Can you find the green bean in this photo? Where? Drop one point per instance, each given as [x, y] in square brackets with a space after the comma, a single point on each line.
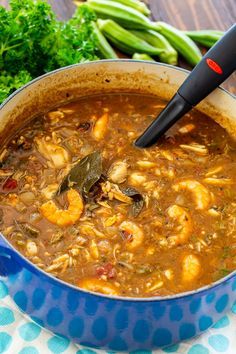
[181, 42]
[125, 40]
[104, 47]
[157, 40]
[143, 56]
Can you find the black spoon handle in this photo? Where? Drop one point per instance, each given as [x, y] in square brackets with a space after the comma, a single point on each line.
[214, 68]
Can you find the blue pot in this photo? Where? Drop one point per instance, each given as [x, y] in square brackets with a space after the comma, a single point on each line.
[112, 323]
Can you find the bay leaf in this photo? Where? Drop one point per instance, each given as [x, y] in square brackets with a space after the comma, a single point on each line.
[84, 174]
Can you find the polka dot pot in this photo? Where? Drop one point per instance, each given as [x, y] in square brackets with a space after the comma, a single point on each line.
[93, 320]
[109, 323]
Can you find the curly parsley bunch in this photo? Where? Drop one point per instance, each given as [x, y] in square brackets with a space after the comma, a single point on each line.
[33, 41]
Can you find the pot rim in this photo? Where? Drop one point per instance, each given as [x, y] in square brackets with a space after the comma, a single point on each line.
[62, 283]
[177, 68]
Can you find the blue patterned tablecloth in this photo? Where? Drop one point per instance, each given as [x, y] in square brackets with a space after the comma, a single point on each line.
[19, 335]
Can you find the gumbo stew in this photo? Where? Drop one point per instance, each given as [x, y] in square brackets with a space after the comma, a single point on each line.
[82, 203]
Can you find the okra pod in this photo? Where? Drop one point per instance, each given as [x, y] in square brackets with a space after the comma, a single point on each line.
[157, 40]
[138, 56]
[206, 38]
[206, 43]
[181, 42]
[136, 4]
[125, 40]
[103, 46]
[123, 15]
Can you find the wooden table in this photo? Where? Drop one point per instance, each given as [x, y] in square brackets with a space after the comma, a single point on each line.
[184, 14]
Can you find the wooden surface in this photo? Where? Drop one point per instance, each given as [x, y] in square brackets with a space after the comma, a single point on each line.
[184, 14]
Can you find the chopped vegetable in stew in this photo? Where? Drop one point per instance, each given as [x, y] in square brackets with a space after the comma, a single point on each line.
[82, 203]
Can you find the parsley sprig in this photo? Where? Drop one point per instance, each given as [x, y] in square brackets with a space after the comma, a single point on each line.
[33, 41]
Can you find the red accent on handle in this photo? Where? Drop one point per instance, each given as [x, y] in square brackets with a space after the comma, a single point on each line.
[214, 66]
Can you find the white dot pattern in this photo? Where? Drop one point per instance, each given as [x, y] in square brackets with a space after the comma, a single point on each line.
[19, 335]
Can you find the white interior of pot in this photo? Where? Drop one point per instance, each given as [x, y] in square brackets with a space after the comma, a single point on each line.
[106, 77]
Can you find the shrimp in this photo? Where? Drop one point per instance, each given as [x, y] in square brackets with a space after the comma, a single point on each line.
[62, 217]
[98, 285]
[191, 268]
[201, 194]
[100, 127]
[185, 227]
[134, 234]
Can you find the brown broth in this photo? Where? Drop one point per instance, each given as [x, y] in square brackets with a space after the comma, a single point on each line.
[184, 236]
